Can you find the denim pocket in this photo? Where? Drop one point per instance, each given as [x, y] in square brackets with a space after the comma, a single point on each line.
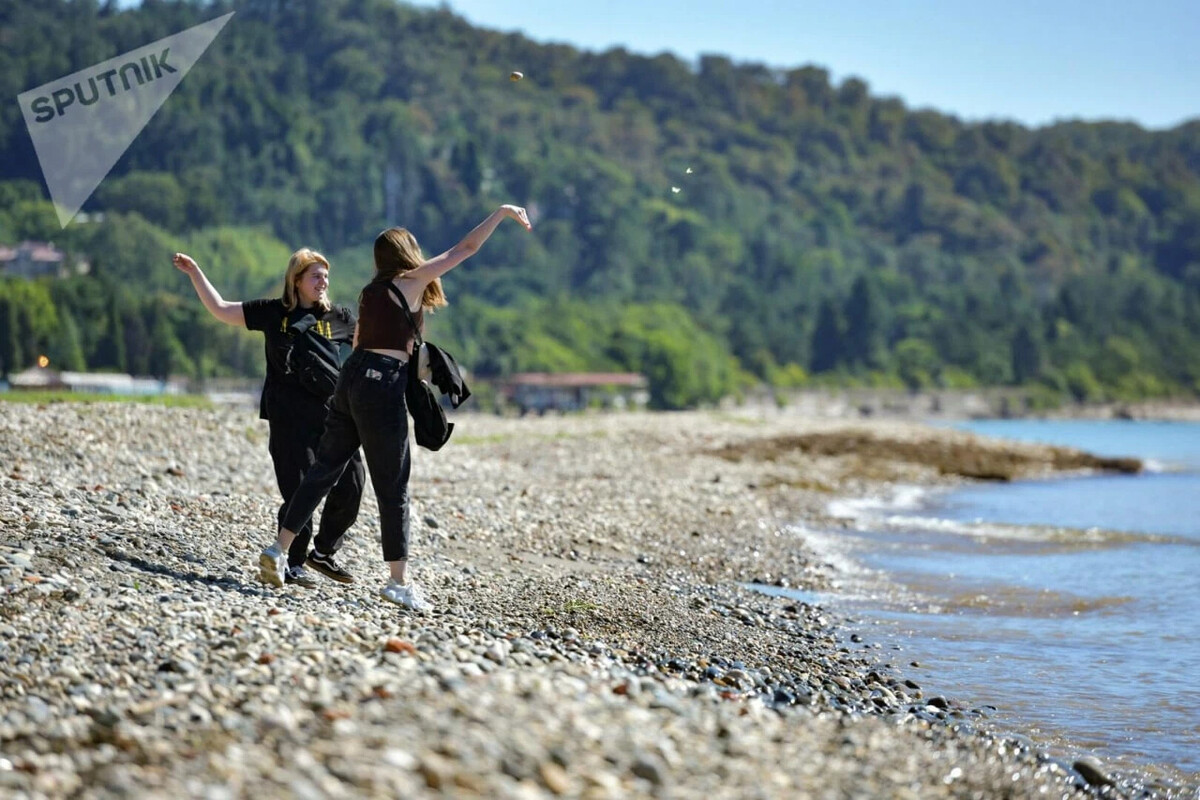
[380, 385]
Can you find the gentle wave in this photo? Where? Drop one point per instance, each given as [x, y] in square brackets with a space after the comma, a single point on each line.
[1084, 537]
[1019, 601]
[1156, 466]
[851, 580]
[901, 498]
[877, 513]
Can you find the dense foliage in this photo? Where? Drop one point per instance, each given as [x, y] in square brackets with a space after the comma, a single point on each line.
[706, 224]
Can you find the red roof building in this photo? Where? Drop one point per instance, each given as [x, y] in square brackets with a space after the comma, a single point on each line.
[31, 260]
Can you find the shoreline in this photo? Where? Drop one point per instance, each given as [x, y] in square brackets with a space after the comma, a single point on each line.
[952, 405]
[591, 633]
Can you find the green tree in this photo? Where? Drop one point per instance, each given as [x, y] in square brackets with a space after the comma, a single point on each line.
[864, 324]
[1027, 355]
[827, 346]
[64, 349]
[684, 365]
[12, 351]
[156, 196]
[917, 362]
[166, 356]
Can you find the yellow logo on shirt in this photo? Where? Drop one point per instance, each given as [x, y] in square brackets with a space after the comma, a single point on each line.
[322, 327]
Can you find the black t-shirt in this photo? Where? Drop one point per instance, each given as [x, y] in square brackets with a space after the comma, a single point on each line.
[282, 393]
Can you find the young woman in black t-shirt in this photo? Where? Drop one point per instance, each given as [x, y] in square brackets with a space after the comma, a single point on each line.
[293, 407]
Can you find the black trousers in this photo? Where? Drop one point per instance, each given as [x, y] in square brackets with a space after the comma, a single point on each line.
[369, 411]
[295, 434]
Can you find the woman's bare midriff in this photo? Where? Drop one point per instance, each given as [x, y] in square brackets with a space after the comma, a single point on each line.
[399, 355]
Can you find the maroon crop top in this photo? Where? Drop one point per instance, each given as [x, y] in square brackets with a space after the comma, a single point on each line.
[382, 324]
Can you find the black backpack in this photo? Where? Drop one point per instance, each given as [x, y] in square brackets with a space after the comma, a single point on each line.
[312, 359]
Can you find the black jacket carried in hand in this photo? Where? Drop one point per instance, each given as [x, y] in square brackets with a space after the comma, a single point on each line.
[431, 429]
[446, 375]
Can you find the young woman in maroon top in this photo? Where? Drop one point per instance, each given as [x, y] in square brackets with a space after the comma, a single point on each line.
[368, 406]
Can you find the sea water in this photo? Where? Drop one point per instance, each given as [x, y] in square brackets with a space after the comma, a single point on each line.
[1070, 605]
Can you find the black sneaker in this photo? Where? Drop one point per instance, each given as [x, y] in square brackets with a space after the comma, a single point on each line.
[328, 567]
[296, 576]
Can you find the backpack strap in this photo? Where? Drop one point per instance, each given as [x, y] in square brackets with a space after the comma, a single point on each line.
[412, 323]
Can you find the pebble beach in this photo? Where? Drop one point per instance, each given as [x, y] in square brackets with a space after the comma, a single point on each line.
[595, 629]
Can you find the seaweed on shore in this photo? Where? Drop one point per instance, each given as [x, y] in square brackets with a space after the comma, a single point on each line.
[963, 455]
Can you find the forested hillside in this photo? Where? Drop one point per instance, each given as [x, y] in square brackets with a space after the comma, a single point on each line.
[710, 224]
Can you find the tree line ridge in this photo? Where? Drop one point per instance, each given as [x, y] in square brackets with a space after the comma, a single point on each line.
[710, 224]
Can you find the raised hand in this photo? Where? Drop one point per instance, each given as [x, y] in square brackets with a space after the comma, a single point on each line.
[226, 311]
[185, 264]
[517, 213]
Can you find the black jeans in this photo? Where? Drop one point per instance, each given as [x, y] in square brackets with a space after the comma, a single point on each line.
[368, 410]
[295, 434]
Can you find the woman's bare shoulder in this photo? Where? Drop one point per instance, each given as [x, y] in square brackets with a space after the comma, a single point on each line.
[412, 290]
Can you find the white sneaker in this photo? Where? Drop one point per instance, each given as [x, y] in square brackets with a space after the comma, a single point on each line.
[408, 595]
[272, 566]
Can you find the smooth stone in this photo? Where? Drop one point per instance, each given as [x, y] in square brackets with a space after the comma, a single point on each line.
[646, 769]
[1092, 771]
[37, 710]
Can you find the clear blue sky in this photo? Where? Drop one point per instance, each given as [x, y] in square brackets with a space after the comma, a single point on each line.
[1033, 61]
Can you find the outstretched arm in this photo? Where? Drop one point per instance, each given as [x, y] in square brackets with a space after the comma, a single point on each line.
[441, 264]
[228, 312]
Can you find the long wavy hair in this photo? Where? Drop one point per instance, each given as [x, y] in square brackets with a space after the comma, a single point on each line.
[397, 252]
[298, 264]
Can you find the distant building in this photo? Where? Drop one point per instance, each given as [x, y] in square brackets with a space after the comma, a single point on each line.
[44, 379]
[31, 260]
[574, 391]
[38, 260]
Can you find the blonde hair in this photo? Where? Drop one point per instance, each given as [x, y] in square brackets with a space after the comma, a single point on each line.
[298, 264]
[397, 252]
